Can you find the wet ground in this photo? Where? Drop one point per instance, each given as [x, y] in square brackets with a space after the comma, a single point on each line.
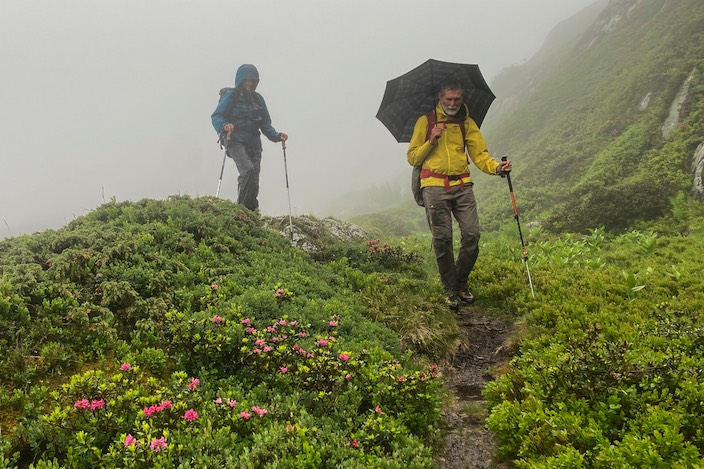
[468, 442]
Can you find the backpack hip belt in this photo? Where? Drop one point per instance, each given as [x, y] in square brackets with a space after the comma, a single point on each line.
[426, 173]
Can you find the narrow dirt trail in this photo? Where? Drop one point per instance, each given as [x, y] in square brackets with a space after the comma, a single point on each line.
[468, 442]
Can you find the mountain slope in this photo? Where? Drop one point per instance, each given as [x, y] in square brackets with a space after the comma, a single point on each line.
[610, 136]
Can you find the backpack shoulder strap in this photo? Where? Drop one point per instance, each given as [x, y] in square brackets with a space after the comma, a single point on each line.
[432, 120]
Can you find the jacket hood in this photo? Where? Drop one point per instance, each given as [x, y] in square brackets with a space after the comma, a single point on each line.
[246, 72]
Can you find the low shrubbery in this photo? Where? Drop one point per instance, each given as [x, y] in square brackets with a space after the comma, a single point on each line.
[186, 333]
[610, 370]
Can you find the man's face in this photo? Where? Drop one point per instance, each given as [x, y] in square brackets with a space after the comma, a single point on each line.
[249, 85]
[451, 100]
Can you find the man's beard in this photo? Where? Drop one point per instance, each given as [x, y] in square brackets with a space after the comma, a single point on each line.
[451, 111]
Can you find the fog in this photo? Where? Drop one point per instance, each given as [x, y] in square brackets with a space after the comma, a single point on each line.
[112, 99]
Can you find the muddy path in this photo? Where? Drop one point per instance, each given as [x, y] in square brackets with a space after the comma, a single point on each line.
[468, 442]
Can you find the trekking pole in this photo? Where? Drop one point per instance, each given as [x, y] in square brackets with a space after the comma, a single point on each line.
[290, 219]
[507, 175]
[224, 158]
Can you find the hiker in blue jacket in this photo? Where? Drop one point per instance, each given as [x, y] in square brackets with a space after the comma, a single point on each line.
[240, 116]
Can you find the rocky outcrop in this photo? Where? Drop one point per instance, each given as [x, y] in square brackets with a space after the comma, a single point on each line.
[611, 17]
[311, 234]
[698, 169]
[673, 119]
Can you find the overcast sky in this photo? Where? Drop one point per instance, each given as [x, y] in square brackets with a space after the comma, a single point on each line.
[104, 98]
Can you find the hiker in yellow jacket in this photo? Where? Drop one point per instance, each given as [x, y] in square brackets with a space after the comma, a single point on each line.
[447, 185]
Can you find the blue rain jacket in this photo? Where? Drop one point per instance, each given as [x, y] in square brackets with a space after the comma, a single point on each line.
[245, 110]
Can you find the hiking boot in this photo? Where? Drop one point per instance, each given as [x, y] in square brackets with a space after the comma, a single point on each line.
[465, 296]
[452, 302]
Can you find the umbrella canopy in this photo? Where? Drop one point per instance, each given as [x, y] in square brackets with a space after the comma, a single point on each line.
[415, 93]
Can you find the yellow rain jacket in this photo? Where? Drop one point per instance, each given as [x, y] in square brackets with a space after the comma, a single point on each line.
[448, 155]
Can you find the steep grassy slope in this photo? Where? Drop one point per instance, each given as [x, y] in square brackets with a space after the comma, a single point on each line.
[588, 144]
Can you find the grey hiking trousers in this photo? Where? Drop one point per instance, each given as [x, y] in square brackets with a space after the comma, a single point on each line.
[440, 207]
[248, 158]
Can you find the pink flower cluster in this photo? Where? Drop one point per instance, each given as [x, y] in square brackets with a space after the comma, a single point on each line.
[299, 350]
[130, 440]
[217, 319]
[158, 444]
[85, 404]
[191, 415]
[151, 410]
[230, 402]
[193, 384]
[259, 411]
[125, 367]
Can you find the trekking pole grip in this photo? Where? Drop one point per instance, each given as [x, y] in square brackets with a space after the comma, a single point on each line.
[507, 175]
[504, 173]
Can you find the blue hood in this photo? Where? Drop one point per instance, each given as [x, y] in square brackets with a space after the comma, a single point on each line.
[246, 72]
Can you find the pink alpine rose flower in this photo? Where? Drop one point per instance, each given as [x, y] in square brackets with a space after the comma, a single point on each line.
[165, 405]
[82, 404]
[217, 319]
[344, 357]
[95, 405]
[245, 415]
[130, 440]
[125, 367]
[190, 415]
[158, 444]
[193, 384]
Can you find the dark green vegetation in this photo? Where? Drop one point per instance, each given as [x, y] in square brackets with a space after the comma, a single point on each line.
[186, 333]
[586, 154]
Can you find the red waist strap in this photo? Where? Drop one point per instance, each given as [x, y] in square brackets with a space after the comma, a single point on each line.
[426, 173]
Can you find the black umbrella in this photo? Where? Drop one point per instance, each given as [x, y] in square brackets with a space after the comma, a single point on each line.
[415, 93]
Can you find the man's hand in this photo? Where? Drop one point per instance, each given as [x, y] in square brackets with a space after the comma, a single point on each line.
[228, 128]
[504, 167]
[436, 133]
[283, 136]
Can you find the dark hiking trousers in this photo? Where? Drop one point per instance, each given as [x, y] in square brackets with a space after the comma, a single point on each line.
[440, 207]
[248, 158]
